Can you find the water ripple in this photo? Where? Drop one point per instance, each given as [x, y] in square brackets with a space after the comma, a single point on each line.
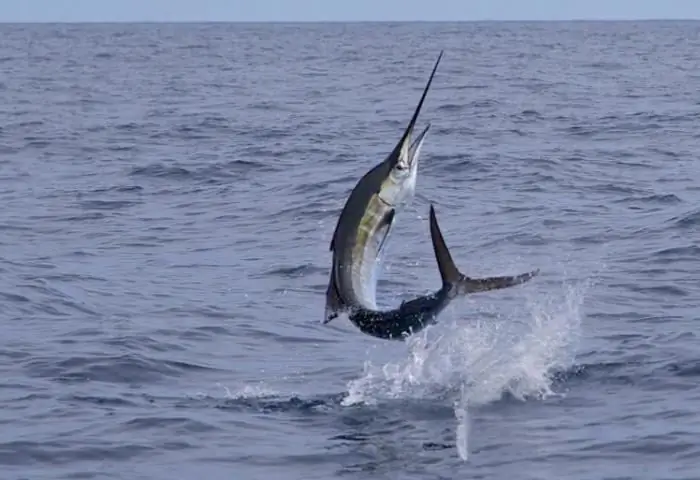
[168, 200]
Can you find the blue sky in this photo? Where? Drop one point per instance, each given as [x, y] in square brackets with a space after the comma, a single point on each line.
[315, 10]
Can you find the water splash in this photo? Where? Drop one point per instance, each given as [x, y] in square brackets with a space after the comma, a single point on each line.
[462, 434]
[248, 391]
[477, 362]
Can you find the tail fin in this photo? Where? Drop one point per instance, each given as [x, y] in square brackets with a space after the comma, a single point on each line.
[451, 275]
[448, 270]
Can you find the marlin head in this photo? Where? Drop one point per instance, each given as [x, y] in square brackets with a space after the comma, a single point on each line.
[402, 163]
[458, 284]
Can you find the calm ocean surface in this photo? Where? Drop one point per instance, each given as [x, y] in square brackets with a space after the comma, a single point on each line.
[168, 195]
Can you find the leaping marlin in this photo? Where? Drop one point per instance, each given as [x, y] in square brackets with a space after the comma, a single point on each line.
[361, 235]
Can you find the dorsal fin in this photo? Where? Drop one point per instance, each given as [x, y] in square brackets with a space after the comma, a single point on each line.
[448, 270]
[334, 304]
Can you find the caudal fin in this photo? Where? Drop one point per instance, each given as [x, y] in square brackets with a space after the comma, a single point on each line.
[448, 270]
[451, 276]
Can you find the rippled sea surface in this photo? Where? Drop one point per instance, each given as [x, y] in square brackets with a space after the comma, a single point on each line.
[168, 195]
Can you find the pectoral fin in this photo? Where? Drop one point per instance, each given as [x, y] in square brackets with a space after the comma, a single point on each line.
[386, 224]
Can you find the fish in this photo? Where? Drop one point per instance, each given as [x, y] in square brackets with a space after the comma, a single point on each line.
[366, 220]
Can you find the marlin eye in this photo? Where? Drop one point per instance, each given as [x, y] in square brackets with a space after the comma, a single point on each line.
[400, 166]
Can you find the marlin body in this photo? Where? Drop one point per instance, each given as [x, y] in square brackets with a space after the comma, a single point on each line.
[361, 235]
[414, 315]
[366, 221]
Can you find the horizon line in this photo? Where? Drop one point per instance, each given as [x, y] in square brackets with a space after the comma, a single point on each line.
[484, 20]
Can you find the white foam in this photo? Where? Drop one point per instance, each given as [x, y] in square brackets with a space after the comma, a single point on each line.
[479, 361]
[248, 391]
[462, 434]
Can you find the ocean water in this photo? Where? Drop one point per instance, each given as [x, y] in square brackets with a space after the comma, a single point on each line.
[168, 195]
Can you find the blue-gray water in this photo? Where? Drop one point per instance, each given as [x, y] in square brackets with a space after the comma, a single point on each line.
[168, 194]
